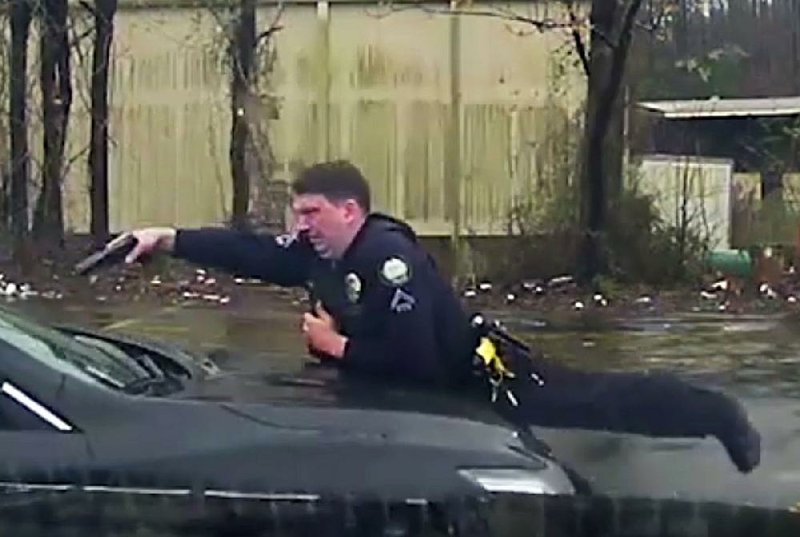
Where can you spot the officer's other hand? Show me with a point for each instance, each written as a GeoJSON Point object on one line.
{"type": "Point", "coordinates": [321, 335]}
{"type": "Point", "coordinates": [323, 315]}
{"type": "Point", "coordinates": [149, 240]}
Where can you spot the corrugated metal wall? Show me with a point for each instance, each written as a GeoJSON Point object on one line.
{"type": "Point", "coordinates": [693, 193]}
{"type": "Point", "coordinates": [354, 84]}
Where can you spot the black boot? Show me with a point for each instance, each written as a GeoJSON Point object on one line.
{"type": "Point", "coordinates": [734, 430]}
{"type": "Point", "coordinates": [678, 408]}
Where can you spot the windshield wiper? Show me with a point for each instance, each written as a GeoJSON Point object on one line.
{"type": "Point", "coordinates": [158, 379]}
{"type": "Point", "coordinates": [137, 386]}
{"type": "Point", "coordinates": [152, 385]}
{"type": "Point", "coordinates": [151, 377]}
{"type": "Point", "coordinates": [103, 377]}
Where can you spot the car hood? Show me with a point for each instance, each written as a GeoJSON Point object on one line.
{"type": "Point", "coordinates": [319, 430]}
{"type": "Point", "coordinates": [252, 387]}
{"type": "Point", "coordinates": [319, 386]}
{"type": "Point", "coordinates": [323, 399]}
{"type": "Point", "coordinates": [289, 379]}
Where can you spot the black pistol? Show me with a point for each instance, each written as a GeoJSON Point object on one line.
{"type": "Point", "coordinates": [106, 257]}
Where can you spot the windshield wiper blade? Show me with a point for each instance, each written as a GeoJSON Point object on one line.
{"type": "Point", "coordinates": [153, 385]}
{"type": "Point", "coordinates": [103, 377]}
{"type": "Point", "coordinates": [136, 386]}
{"type": "Point", "coordinates": [150, 374]}
{"type": "Point", "coordinates": [158, 377]}
{"type": "Point", "coordinates": [117, 354]}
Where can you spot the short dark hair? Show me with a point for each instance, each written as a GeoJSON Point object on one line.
{"type": "Point", "coordinates": [337, 180]}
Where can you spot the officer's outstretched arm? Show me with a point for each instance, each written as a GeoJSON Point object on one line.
{"type": "Point", "coordinates": [398, 337]}
{"type": "Point", "coordinates": [275, 259]}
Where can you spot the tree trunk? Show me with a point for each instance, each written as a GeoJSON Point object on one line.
{"type": "Point", "coordinates": [104, 11]}
{"type": "Point", "coordinates": [20, 15]}
{"type": "Point", "coordinates": [56, 87]}
{"type": "Point", "coordinates": [612, 23]}
{"type": "Point", "coordinates": [794, 9]}
{"type": "Point", "coordinates": [243, 49]}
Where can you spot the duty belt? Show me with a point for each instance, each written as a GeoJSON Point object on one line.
{"type": "Point", "coordinates": [497, 369]}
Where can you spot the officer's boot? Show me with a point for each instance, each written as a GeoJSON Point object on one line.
{"type": "Point", "coordinates": [728, 422]}
{"type": "Point", "coordinates": [661, 404]}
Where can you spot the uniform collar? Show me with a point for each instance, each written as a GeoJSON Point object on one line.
{"type": "Point", "coordinates": [357, 239]}
{"type": "Point", "coordinates": [379, 220]}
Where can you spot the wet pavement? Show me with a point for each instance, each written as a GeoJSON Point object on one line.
{"type": "Point", "coordinates": [755, 358]}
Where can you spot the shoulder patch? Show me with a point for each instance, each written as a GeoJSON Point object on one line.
{"type": "Point", "coordinates": [395, 271]}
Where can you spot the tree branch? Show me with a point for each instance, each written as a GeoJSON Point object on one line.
{"type": "Point", "coordinates": [497, 13]}
{"type": "Point", "coordinates": [580, 46]}
{"type": "Point", "coordinates": [76, 40]}
{"type": "Point", "coordinates": [612, 44]}
{"type": "Point", "coordinates": [620, 57]}
{"type": "Point", "coordinates": [88, 7]}
{"type": "Point", "coordinates": [626, 32]}
{"type": "Point", "coordinates": [273, 27]}
{"type": "Point", "coordinates": [266, 34]}
{"type": "Point", "coordinates": [509, 14]}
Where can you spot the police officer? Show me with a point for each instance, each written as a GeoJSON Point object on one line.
{"type": "Point", "coordinates": [383, 309]}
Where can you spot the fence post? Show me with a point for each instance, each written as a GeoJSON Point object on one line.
{"type": "Point", "coordinates": [324, 74]}
{"type": "Point", "coordinates": [452, 164]}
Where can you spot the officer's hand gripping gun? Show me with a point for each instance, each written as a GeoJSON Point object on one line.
{"type": "Point", "coordinates": [113, 253]}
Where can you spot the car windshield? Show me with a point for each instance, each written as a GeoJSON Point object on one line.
{"type": "Point", "coordinates": [67, 354]}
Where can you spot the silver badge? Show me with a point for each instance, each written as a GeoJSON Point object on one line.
{"type": "Point", "coordinates": [395, 271]}
{"type": "Point", "coordinates": [352, 287]}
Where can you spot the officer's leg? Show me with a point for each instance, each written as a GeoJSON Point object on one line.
{"type": "Point", "coordinates": [657, 404]}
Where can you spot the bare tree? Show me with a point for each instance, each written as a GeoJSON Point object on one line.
{"type": "Point", "coordinates": [250, 59]}
{"type": "Point", "coordinates": [5, 131]}
{"type": "Point", "coordinates": [21, 14]}
{"type": "Point", "coordinates": [242, 54]}
{"type": "Point", "coordinates": [612, 24]}
{"type": "Point", "coordinates": [104, 12]}
{"type": "Point", "coordinates": [56, 87]}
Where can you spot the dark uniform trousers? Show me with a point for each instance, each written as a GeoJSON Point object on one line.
{"type": "Point", "coordinates": [653, 404]}
{"type": "Point", "coordinates": [658, 404]}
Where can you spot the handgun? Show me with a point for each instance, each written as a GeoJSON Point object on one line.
{"type": "Point", "coordinates": [108, 256]}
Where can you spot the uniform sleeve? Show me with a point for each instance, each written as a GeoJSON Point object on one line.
{"type": "Point", "coordinates": [399, 338]}
{"type": "Point", "coordinates": [281, 260]}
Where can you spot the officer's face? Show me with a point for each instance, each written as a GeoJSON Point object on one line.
{"type": "Point", "coordinates": [330, 226]}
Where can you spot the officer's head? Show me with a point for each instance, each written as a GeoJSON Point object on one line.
{"type": "Point", "coordinates": [330, 202]}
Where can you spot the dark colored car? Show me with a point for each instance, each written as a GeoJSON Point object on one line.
{"type": "Point", "coordinates": [112, 412]}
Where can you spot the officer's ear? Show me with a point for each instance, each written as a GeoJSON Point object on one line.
{"type": "Point", "coordinates": [352, 210]}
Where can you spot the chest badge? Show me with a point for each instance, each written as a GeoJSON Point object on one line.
{"type": "Point", "coordinates": [352, 287]}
